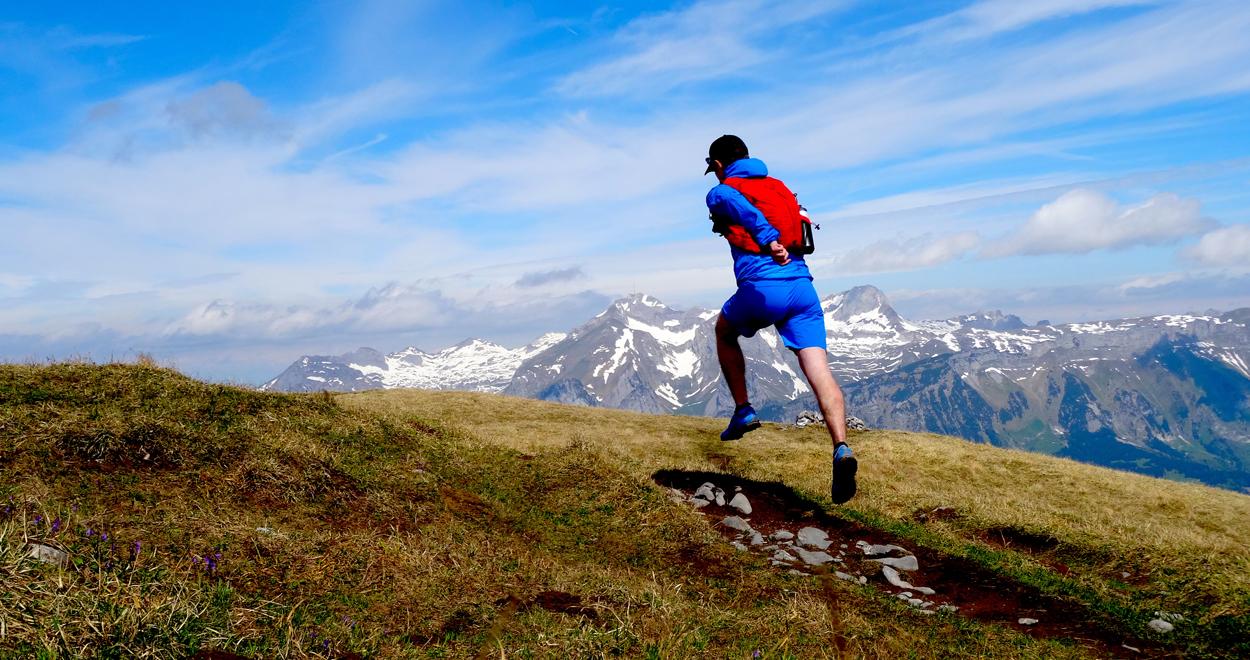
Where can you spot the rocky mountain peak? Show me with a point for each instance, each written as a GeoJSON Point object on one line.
{"type": "Point", "coordinates": [364, 356]}
{"type": "Point", "coordinates": [862, 306]}
{"type": "Point", "coordinates": [991, 320]}
{"type": "Point", "coordinates": [475, 343]}
{"type": "Point", "coordinates": [636, 302]}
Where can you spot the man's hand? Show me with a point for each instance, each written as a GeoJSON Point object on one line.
{"type": "Point", "coordinates": [779, 252]}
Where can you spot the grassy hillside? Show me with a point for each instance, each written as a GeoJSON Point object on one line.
{"type": "Point", "coordinates": [203, 518]}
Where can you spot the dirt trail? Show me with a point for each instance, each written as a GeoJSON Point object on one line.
{"type": "Point", "coordinates": [978, 593]}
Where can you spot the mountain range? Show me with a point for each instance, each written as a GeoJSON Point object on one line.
{"type": "Point", "coordinates": [1165, 395]}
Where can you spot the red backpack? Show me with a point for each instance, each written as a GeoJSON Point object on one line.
{"type": "Point", "coordinates": [780, 208]}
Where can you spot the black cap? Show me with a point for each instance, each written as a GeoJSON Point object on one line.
{"type": "Point", "coordinates": [726, 149]}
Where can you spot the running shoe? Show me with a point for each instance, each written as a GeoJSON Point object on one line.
{"type": "Point", "coordinates": [744, 420]}
{"type": "Point", "coordinates": [844, 468]}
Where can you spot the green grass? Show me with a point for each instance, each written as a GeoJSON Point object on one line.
{"type": "Point", "coordinates": [417, 524]}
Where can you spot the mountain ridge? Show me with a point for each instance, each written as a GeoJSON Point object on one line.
{"type": "Point", "coordinates": [985, 376]}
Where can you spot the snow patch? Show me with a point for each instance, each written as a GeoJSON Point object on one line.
{"type": "Point", "coordinates": [670, 337]}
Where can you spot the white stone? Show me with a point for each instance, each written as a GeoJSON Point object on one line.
{"type": "Point", "coordinates": [1159, 625]}
{"type": "Point", "coordinates": [783, 556]}
{"type": "Point", "coordinates": [734, 522]}
{"type": "Point", "coordinates": [738, 545]}
{"type": "Point", "coordinates": [863, 580]}
{"type": "Point", "coordinates": [757, 538]}
{"type": "Point", "coordinates": [915, 602]}
{"type": "Point", "coordinates": [706, 492]}
{"type": "Point", "coordinates": [740, 503]}
{"type": "Point", "coordinates": [948, 608]}
{"type": "Point", "coordinates": [699, 503]}
{"type": "Point", "coordinates": [907, 563]}
{"type": "Point", "coordinates": [814, 537]}
{"type": "Point", "coordinates": [893, 578]}
{"type": "Point", "coordinates": [813, 558]}
{"type": "Point", "coordinates": [48, 554]}
{"type": "Point", "coordinates": [781, 535]}
{"type": "Point", "coordinates": [844, 576]}
{"type": "Point", "coordinates": [882, 550]}
{"type": "Point", "coordinates": [1026, 621]}
{"type": "Point", "coordinates": [720, 497]}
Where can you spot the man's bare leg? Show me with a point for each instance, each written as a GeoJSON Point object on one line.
{"type": "Point", "coordinates": [732, 362]}
{"type": "Point", "coordinates": [815, 366]}
{"type": "Point", "coordinates": [833, 408]}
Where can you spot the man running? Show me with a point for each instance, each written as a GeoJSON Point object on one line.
{"type": "Point", "coordinates": [760, 218]}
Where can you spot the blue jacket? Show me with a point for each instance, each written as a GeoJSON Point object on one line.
{"type": "Point", "coordinates": [727, 202]}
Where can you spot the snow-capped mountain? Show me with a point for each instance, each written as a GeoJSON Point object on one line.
{"type": "Point", "coordinates": [1165, 394]}
{"type": "Point", "coordinates": [642, 355]}
{"type": "Point", "coordinates": [470, 365]}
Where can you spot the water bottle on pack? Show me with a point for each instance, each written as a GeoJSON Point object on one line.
{"type": "Point", "coordinates": [809, 241]}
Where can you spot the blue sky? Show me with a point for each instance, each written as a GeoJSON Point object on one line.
{"type": "Point", "coordinates": [227, 186]}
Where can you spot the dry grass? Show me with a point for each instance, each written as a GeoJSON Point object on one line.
{"type": "Point", "coordinates": [1185, 547]}
{"type": "Point", "coordinates": [411, 524]}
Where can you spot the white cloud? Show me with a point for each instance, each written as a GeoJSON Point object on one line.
{"type": "Point", "coordinates": [225, 107]}
{"type": "Point", "coordinates": [1149, 282]}
{"type": "Point", "coordinates": [991, 17]}
{"type": "Point", "coordinates": [544, 277]}
{"type": "Point", "coordinates": [707, 40]}
{"type": "Point", "coordinates": [390, 308]}
{"type": "Point", "coordinates": [1084, 220]}
{"type": "Point", "coordinates": [1227, 246]}
{"type": "Point", "coordinates": [12, 284]}
{"type": "Point", "coordinates": [903, 254]}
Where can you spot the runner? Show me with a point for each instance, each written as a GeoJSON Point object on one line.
{"type": "Point", "coordinates": [761, 219]}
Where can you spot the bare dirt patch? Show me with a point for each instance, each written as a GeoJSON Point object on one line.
{"type": "Point", "coordinates": [978, 593]}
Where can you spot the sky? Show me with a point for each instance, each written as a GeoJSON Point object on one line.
{"type": "Point", "coordinates": [228, 186]}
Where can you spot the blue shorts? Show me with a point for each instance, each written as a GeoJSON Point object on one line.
{"type": "Point", "coordinates": [790, 305]}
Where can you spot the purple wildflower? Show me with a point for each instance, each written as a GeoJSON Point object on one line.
{"type": "Point", "coordinates": [104, 536]}
{"type": "Point", "coordinates": [56, 525]}
{"type": "Point", "coordinates": [756, 654]}
{"type": "Point", "coordinates": [38, 519]}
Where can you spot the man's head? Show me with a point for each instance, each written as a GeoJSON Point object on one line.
{"type": "Point", "coordinates": [723, 152]}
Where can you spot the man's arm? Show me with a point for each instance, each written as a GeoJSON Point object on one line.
{"type": "Point", "coordinates": [724, 201]}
